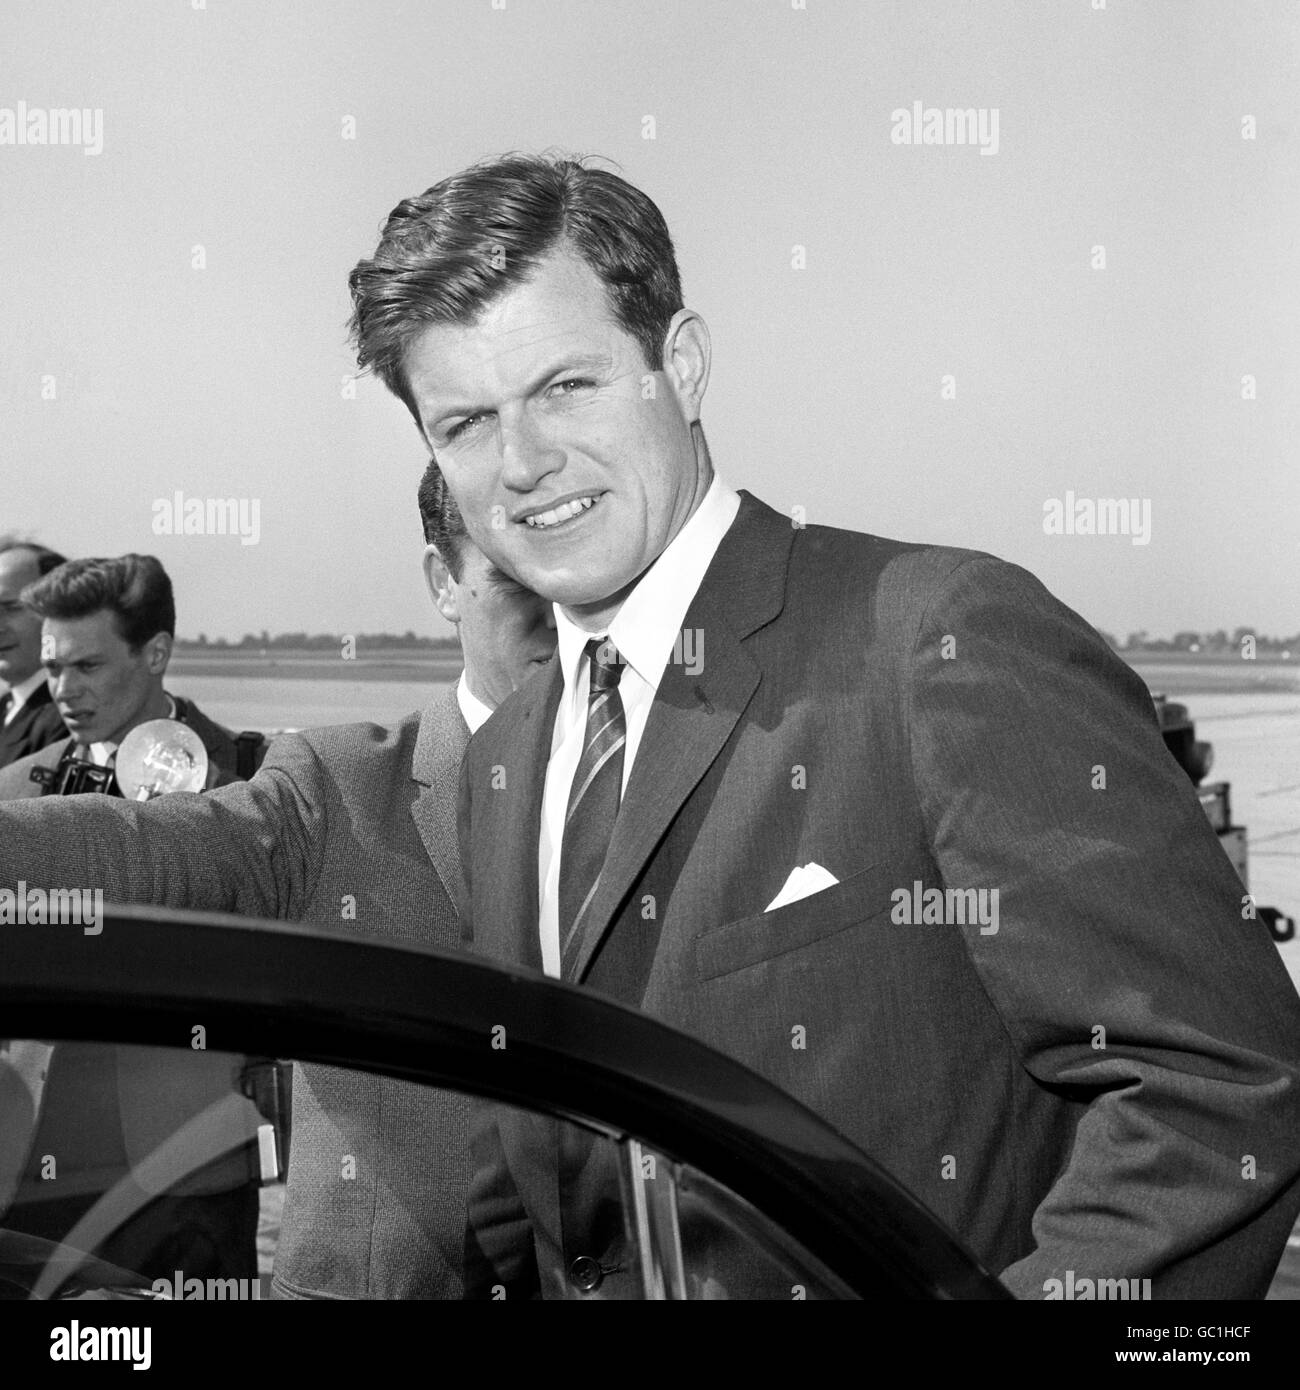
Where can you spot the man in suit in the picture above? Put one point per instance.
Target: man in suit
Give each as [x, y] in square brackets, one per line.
[886, 821]
[28, 717]
[355, 823]
[107, 635]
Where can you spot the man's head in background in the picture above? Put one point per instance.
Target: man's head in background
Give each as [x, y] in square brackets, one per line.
[528, 311]
[505, 630]
[106, 641]
[21, 563]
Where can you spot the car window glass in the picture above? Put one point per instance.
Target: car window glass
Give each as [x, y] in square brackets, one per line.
[141, 1172]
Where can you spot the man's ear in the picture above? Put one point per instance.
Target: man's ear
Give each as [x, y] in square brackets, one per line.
[158, 652]
[687, 356]
[442, 587]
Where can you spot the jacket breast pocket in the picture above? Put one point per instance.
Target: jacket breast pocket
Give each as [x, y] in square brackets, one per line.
[767, 935]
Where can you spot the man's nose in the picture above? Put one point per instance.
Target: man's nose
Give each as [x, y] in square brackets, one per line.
[63, 687]
[527, 454]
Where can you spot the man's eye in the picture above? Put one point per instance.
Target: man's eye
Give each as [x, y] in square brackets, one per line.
[571, 384]
[458, 429]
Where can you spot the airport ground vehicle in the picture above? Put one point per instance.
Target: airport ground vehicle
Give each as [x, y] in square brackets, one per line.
[1196, 758]
[822, 1220]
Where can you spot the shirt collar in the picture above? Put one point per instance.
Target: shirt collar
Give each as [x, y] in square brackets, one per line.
[645, 628]
[474, 711]
[24, 690]
[103, 754]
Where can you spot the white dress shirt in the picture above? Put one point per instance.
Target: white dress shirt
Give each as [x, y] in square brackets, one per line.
[475, 712]
[645, 630]
[22, 692]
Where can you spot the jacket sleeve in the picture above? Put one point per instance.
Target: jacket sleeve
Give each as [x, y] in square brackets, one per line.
[1128, 967]
[249, 847]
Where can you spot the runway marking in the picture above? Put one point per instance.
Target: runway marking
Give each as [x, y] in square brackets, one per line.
[1244, 714]
[1254, 840]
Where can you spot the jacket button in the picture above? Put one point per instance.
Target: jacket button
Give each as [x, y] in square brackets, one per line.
[585, 1273]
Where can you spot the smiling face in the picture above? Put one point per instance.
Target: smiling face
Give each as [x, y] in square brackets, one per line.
[572, 463]
[103, 689]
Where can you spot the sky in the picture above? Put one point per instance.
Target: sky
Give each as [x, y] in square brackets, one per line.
[932, 341]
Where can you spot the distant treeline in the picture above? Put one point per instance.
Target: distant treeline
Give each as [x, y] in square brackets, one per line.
[320, 642]
[1220, 643]
[1195, 643]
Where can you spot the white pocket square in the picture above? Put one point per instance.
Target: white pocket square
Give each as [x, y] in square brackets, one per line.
[802, 883]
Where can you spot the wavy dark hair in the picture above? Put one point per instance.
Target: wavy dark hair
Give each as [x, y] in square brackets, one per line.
[445, 255]
[134, 588]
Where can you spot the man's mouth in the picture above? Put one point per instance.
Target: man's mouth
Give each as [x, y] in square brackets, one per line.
[558, 515]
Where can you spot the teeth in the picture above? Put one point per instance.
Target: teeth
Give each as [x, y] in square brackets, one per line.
[560, 513]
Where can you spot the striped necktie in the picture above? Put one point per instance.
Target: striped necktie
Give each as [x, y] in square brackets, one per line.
[593, 799]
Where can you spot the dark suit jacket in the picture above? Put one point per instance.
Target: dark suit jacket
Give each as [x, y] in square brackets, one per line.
[16, 780]
[354, 823]
[36, 724]
[899, 714]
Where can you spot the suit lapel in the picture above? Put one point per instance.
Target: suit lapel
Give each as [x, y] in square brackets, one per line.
[18, 738]
[693, 716]
[439, 747]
